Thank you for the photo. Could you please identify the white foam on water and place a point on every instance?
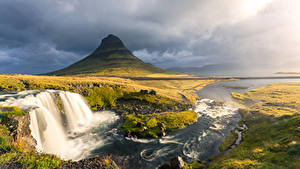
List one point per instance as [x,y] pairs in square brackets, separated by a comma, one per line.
[66,133]
[208,107]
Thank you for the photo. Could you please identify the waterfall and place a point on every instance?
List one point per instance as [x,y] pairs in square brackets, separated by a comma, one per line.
[65,130]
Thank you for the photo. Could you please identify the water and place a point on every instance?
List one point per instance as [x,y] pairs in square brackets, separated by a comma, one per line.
[71,133]
[79,133]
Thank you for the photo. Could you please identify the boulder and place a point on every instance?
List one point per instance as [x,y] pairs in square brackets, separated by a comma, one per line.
[144,91]
[153,92]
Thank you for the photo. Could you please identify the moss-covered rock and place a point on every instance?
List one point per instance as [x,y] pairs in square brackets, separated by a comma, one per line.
[155,125]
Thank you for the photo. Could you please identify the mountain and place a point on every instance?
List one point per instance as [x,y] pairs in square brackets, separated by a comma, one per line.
[110,58]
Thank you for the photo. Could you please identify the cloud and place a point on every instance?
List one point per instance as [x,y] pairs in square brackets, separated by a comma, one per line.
[40,36]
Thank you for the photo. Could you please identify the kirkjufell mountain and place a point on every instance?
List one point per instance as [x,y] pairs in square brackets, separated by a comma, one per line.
[110,58]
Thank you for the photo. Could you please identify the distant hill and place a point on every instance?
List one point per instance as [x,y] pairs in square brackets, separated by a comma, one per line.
[210,70]
[111,58]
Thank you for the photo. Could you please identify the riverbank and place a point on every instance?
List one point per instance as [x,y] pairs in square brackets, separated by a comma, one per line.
[272,139]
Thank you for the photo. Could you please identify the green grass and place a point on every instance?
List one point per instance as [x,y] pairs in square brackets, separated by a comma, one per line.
[9,111]
[148,98]
[155,125]
[273,136]
[103,97]
[230,140]
[32,159]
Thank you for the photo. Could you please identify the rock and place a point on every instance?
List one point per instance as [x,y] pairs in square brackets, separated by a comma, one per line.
[96,85]
[153,92]
[2,151]
[91,163]
[138,124]
[177,163]
[165,166]
[144,91]
[85,93]
[23,132]
[12,164]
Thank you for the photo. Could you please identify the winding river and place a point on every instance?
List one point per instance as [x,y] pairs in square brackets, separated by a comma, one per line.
[102,136]
[198,141]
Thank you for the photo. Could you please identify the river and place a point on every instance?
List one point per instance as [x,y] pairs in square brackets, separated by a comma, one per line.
[217,117]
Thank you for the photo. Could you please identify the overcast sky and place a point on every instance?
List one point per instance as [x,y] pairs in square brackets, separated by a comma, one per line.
[38,36]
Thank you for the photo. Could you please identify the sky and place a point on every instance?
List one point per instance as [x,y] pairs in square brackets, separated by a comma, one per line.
[42,36]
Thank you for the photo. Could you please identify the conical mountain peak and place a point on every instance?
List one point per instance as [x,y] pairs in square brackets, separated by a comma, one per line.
[110,58]
[109,43]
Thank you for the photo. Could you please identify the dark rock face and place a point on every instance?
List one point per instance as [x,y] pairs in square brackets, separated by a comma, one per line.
[23,132]
[165,166]
[20,130]
[177,163]
[90,163]
[111,42]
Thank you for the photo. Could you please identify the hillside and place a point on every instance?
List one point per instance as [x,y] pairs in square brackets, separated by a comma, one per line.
[111,58]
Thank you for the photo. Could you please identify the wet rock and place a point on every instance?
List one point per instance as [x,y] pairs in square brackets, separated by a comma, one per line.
[165,166]
[177,163]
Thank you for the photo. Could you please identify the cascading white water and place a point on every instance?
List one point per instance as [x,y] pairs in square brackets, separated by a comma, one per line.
[67,132]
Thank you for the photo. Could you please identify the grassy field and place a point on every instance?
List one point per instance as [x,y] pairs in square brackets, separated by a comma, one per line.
[171,89]
[272,114]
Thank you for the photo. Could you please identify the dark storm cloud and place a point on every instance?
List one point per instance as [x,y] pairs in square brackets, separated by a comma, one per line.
[40,36]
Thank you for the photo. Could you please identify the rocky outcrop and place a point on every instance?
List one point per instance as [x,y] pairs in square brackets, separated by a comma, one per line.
[23,133]
[91,163]
[175,163]
[135,106]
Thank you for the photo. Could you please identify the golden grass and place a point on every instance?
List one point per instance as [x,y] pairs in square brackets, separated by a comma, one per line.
[275,99]
[272,140]
[167,88]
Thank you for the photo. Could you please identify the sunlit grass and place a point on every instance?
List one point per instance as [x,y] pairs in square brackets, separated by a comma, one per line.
[272,115]
[167,88]
[154,125]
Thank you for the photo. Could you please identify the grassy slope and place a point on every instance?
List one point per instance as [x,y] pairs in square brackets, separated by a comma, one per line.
[273,138]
